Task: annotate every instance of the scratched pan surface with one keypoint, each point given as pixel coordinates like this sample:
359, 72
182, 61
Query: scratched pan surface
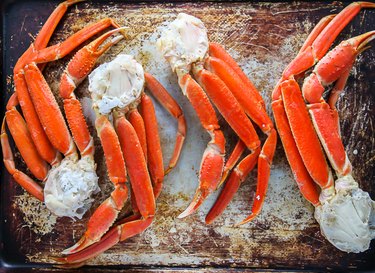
263, 38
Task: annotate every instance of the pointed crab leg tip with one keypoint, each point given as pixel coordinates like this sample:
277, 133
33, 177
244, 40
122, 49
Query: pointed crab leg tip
80, 245
186, 212
366, 4
209, 221
364, 39
167, 171
190, 209
247, 220
198, 199
61, 262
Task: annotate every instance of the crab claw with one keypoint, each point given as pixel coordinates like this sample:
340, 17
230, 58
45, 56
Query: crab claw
331, 67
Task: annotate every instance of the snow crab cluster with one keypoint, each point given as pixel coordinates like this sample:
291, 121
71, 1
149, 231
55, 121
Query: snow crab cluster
131, 143
345, 212
61, 154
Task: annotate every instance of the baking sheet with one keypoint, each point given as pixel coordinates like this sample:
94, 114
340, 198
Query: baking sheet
263, 38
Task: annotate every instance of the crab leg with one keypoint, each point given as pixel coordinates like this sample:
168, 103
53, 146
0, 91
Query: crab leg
252, 103
41, 141
232, 185
300, 173
45, 103
22, 138
38, 135
106, 214
136, 120
77, 70
315, 48
44, 34
48, 111
144, 198
325, 119
213, 157
168, 102
60, 50
137, 167
320, 45
154, 153
232, 160
217, 51
304, 134
118, 233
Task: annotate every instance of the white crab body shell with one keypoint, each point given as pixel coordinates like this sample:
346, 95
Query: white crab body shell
184, 42
116, 84
347, 219
69, 187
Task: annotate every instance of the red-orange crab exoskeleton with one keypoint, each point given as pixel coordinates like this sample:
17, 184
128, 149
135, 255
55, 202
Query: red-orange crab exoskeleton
41, 134
207, 73
117, 90
343, 210
131, 146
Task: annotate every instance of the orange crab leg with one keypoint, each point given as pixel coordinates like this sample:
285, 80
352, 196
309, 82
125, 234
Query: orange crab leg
320, 45
22, 135
60, 50
143, 194
168, 102
300, 173
120, 232
264, 169
136, 120
48, 111
38, 135
78, 68
217, 51
232, 160
334, 66
40, 139
252, 103
314, 49
154, 153
232, 185
44, 34
41, 95
213, 157
228, 106
304, 134
322, 24
106, 214
112, 150
137, 167
23, 140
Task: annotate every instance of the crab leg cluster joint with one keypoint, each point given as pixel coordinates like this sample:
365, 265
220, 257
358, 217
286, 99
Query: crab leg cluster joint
305, 129
208, 74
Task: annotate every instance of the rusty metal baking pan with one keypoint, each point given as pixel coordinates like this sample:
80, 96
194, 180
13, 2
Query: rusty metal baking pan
263, 37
